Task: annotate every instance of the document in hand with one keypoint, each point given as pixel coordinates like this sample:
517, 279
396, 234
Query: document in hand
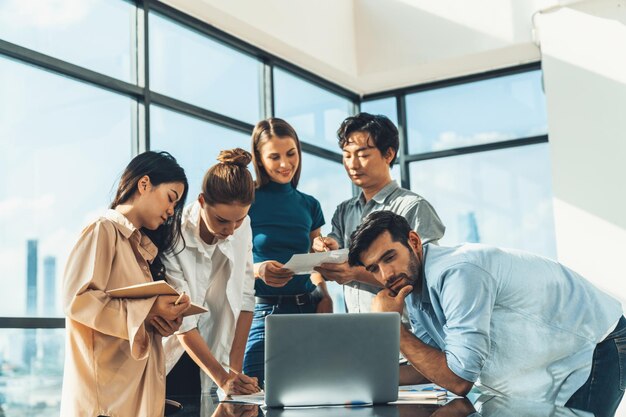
305, 262
150, 289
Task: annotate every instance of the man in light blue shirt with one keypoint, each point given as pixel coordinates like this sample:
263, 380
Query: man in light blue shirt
510, 322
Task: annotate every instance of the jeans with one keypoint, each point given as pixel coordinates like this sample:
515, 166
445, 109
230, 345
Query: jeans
254, 359
604, 389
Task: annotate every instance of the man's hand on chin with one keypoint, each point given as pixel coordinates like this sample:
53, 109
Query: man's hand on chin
386, 301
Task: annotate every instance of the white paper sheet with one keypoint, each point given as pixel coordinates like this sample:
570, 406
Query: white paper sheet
305, 262
257, 398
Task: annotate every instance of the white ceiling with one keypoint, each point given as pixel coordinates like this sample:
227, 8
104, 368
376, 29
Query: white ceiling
374, 45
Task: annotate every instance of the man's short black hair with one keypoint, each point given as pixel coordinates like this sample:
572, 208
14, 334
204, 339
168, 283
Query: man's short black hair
383, 132
374, 225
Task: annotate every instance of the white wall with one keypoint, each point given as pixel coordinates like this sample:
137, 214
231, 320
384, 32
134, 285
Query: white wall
584, 61
373, 45
407, 42
316, 35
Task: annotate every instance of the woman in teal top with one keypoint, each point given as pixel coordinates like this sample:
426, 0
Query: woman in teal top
284, 222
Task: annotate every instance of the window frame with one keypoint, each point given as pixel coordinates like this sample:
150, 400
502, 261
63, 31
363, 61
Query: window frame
145, 97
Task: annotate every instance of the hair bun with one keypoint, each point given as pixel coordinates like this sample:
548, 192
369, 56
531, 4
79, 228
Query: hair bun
235, 156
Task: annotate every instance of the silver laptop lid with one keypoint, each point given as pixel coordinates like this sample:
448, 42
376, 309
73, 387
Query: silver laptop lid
326, 359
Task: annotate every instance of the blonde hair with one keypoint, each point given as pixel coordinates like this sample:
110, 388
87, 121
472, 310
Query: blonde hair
229, 180
264, 131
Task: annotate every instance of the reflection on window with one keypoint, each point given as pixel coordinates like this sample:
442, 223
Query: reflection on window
328, 182
384, 106
314, 112
64, 144
480, 112
31, 371
194, 143
191, 67
502, 198
95, 34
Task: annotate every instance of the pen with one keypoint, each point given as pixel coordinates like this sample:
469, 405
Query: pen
179, 298
323, 242
235, 372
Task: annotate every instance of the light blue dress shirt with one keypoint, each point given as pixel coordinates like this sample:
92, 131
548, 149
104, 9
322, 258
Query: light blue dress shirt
514, 323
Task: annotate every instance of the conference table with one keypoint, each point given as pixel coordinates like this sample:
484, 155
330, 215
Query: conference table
475, 405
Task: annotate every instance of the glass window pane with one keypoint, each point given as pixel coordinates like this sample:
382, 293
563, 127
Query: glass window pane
64, 144
384, 106
487, 111
194, 143
314, 112
317, 174
502, 198
395, 173
191, 67
95, 34
32, 371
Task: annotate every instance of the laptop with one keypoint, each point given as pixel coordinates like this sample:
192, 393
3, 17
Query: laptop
331, 359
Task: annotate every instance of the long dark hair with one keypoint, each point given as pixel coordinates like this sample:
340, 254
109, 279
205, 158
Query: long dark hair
229, 180
160, 167
264, 131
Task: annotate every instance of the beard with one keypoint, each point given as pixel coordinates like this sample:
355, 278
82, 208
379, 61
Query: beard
411, 277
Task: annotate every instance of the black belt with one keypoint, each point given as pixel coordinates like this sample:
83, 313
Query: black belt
298, 299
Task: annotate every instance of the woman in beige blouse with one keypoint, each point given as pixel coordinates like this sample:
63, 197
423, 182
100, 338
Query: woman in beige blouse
114, 364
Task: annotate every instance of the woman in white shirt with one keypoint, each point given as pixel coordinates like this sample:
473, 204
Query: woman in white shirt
214, 266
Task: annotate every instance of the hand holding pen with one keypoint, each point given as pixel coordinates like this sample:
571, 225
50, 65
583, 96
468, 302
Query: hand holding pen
166, 314
239, 383
324, 244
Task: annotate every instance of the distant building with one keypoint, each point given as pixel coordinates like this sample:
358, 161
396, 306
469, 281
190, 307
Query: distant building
29, 349
470, 226
49, 286
31, 277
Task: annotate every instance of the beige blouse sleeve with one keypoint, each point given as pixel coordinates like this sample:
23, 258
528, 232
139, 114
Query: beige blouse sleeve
87, 276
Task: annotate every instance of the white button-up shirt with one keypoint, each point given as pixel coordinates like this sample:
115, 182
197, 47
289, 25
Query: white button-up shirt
220, 277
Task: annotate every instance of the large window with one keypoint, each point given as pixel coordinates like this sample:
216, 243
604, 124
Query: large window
384, 106
314, 112
493, 110
191, 67
95, 34
193, 142
31, 371
477, 151
64, 143
501, 197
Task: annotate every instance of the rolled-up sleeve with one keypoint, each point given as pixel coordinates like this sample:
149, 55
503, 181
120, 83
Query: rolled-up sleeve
86, 277
337, 227
467, 299
247, 301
